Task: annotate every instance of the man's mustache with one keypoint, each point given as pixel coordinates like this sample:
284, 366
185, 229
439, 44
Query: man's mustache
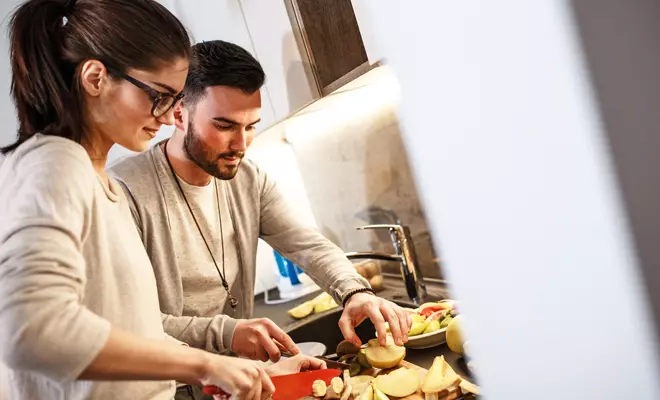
231, 155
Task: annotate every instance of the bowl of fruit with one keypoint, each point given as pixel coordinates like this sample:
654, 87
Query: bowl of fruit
429, 324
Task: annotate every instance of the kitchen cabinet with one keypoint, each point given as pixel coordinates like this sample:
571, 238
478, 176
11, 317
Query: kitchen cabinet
329, 39
263, 28
288, 88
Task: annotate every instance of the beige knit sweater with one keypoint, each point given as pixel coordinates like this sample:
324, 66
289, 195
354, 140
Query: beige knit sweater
71, 265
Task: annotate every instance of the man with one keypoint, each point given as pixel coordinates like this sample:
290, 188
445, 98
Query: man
201, 208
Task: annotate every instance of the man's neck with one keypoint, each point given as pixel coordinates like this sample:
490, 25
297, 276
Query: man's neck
184, 168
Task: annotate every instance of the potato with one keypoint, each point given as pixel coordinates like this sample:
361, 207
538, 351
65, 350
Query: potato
371, 269
400, 383
368, 394
360, 384
319, 388
440, 377
360, 270
376, 283
378, 395
384, 357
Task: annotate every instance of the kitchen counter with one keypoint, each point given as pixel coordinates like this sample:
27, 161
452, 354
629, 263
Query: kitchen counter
423, 357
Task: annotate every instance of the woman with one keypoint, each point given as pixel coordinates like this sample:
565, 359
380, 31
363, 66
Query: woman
79, 315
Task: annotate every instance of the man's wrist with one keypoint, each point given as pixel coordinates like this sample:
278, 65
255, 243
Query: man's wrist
349, 295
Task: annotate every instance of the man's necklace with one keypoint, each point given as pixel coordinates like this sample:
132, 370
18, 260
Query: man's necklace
233, 302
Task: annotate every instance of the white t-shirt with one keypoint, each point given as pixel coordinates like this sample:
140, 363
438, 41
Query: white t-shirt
204, 295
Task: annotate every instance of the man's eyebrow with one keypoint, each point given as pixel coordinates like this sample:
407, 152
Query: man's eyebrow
229, 121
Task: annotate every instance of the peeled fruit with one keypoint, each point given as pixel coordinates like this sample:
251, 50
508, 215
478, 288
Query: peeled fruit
417, 318
454, 335
384, 357
417, 328
469, 387
432, 326
325, 304
379, 395
440, 377
302, 310
368, 393
400, 383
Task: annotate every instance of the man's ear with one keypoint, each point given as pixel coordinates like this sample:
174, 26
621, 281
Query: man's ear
180, 117
92, 77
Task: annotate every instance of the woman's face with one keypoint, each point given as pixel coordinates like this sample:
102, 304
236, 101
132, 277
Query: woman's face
121, 111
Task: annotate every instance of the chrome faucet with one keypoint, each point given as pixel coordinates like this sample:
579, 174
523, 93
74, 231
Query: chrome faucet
404, 249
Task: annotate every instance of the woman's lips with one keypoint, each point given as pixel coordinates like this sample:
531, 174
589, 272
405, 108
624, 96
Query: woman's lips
151, 132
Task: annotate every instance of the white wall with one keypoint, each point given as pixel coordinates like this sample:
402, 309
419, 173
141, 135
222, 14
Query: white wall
513, 167
7, 110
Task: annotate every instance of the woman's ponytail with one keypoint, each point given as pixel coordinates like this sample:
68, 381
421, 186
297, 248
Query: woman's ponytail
41, 79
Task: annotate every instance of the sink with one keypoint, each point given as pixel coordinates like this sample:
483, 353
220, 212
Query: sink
324, 328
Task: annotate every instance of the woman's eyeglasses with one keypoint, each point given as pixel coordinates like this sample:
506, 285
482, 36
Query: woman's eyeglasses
163, 102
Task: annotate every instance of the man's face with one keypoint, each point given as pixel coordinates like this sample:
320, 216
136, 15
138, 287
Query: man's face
220, 128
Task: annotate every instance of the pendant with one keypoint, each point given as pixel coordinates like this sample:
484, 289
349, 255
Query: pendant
233, 302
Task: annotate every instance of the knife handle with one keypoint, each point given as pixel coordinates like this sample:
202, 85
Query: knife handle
211, 390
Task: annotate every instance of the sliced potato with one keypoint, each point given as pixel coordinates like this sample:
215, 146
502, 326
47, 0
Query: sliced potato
302, 310
400, 383
379, 395
440, 377
384, 357
368, 394
468, 387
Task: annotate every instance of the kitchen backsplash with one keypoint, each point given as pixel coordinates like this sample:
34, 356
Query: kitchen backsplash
351, 157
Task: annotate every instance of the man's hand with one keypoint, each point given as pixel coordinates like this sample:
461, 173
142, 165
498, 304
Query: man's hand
299, 363
362, 306
261, 339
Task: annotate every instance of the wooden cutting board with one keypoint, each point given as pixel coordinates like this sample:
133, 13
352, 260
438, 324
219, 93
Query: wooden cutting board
419, 395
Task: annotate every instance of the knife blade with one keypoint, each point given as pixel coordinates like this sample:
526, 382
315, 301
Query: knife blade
330, 363
290, 387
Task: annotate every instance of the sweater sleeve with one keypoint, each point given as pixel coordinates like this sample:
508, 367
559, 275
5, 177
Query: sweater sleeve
213, 334
46, 200
321, 259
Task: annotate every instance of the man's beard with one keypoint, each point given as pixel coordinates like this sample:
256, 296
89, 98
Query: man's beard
204, 157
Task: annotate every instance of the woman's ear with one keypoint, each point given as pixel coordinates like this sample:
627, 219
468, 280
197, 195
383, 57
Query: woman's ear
93, 75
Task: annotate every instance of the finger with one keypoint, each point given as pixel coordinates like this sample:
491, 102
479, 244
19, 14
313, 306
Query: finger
261, 354
313, 363
377, 319
393, 320
267, 386
256, 392
282, 338
348, 330
403, 322
269, 347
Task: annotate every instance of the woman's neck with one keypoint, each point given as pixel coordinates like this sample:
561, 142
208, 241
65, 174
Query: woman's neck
98, 152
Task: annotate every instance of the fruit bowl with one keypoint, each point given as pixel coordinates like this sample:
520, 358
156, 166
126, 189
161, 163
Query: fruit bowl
429, 324
427, 340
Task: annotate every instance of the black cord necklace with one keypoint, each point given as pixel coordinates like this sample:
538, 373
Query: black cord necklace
233, 302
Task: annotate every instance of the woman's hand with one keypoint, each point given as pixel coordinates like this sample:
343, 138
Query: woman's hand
298, 363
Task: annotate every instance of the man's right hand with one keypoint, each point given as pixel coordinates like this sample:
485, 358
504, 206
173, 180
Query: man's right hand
239, 378
261, 339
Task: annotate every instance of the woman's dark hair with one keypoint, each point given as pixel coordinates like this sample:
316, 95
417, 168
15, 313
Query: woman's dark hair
51, 39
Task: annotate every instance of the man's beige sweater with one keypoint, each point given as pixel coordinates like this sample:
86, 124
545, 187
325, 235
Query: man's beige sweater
71, 266
257, 210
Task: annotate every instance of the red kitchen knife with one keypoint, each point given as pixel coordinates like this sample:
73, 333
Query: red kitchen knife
291, 387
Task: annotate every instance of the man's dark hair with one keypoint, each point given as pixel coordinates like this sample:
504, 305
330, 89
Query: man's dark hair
219, 63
